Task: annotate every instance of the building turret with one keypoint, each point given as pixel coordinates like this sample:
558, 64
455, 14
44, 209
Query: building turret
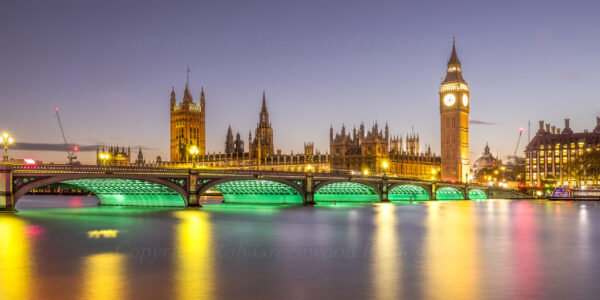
140, 158
173, 99
229, 144
239, 144
597, 129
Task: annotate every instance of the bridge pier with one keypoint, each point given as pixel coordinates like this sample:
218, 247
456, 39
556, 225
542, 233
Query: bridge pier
193, 196
433, 191
309, 195
384, 190
7, 199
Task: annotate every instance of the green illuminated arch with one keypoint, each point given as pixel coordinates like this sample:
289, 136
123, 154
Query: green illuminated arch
129, 192
477, 194
346, 192
407, 192
258, 191
449, 193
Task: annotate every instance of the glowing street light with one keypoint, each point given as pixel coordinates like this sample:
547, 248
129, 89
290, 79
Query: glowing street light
194, 152
366, 172
385, 165
309, 168
6, 140
104, 157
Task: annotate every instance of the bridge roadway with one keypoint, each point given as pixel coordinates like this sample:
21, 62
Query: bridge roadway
153, 186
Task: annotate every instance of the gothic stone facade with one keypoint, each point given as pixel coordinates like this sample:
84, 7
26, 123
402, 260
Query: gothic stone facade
454, 114
187, 125
261, 154
361, 151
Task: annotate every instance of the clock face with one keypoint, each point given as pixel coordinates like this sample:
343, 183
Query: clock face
465, 100
449, 99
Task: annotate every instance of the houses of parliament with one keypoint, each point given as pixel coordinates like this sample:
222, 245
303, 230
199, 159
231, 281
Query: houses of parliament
357, 151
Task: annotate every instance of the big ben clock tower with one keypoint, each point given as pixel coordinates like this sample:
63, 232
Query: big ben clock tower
454, 113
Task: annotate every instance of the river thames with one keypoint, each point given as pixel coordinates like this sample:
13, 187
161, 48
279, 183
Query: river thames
68, 248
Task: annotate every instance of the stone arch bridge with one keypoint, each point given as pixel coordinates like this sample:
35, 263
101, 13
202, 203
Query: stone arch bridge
150, 186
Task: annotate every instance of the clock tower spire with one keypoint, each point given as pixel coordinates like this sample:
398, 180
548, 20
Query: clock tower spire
454, 114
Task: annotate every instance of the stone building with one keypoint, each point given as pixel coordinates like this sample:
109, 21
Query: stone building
552, 149
454, 114
187, 125
261, 154
113, 156
375, 151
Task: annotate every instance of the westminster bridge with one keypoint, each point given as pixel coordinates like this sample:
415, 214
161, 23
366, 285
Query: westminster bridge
154, 186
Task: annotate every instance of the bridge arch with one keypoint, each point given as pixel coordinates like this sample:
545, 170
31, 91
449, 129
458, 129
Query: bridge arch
477, 194
406, 192
256, 190
449, 193
113, 189
346, 191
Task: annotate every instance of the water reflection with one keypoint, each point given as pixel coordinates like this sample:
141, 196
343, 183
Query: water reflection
526, 253
194, 256
451, 251
15, 259
386, 261
104, 277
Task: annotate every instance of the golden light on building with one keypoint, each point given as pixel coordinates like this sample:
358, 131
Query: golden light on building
385, 165
194, 150
454, 114
366, 172
104, 157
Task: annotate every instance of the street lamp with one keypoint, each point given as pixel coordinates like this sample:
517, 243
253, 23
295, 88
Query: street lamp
194, 152
366, 172
385, 165
6, 140
309, 168
433, 175
104, 156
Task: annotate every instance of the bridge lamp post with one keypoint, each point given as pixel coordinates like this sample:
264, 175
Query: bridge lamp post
385, 165
6, 140
194, 153
366, 172
104, 157
309, 169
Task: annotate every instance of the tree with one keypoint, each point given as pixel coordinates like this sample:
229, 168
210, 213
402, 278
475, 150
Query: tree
586, 166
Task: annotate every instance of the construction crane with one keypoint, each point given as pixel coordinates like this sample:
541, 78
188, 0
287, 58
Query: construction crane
513, 157
71, 149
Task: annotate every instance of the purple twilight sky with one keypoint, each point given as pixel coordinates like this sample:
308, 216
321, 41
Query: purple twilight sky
109, 67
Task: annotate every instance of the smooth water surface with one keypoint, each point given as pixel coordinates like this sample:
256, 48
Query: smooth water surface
68, 248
